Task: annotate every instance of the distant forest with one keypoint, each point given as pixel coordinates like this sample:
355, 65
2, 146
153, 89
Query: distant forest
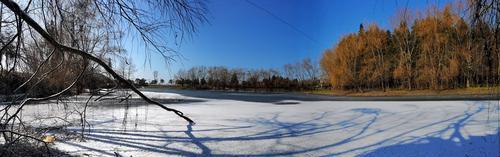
438, 49
298, 76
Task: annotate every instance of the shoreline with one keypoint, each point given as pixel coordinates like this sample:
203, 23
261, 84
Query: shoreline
315, 95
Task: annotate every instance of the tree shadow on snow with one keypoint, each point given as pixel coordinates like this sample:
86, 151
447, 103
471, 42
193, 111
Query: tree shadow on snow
436, 144
359, 125
277, 130
473, 146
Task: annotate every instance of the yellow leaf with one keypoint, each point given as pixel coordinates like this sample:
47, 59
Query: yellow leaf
49, 139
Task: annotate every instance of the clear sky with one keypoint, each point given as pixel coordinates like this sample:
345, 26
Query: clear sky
271, 33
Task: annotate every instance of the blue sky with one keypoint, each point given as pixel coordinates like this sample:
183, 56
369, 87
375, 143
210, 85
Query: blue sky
242, 35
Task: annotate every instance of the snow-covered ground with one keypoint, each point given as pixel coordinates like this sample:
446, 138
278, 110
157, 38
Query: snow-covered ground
230, 126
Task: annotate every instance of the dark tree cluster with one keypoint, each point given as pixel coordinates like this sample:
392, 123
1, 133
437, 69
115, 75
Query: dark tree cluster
303, 75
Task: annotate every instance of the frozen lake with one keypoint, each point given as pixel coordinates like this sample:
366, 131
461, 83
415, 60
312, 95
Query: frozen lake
246, 124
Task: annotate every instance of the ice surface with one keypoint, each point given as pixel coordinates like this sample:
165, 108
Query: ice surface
276, 125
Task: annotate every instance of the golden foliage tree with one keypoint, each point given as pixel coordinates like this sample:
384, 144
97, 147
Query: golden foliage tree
438, 51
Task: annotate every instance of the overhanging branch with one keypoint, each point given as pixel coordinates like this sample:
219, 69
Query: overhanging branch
14, 7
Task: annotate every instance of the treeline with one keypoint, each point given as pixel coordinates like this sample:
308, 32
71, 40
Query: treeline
302, 75
440, 50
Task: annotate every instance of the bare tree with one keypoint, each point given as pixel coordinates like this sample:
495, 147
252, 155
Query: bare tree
155, 75
484, 13
82, 34
126, 68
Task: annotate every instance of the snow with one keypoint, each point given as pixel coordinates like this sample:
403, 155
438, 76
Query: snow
230, 126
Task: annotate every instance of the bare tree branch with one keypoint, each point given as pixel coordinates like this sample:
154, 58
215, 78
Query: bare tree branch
14, 7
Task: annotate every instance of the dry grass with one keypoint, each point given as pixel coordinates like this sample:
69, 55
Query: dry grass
401, 92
